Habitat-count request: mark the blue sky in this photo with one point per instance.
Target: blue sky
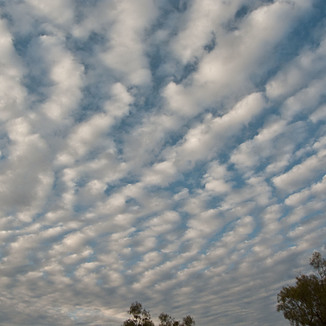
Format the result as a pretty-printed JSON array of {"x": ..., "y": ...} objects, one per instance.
[{"x": 166, "y": 151}]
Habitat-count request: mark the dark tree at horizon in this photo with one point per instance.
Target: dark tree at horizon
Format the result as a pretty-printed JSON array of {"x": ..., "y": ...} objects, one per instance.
[
  {"x": 141, "y": 317},
  {"x": 304, "y": 304}
]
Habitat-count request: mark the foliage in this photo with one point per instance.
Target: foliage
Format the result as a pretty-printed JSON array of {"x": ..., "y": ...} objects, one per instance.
[
  {"x": 142, "y": 317},
  {"x": 304, "y": 304},
  {"x": 166, "y": 320}
]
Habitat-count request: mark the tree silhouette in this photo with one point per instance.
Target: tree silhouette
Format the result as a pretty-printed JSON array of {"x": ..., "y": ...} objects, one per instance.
[
  {"x": 142, "y": 317},
  {"x": 304, "y": 304},
  {"x": 139, "y": 316}
]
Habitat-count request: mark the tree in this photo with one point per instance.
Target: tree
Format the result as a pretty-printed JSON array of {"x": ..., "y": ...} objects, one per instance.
[
  {"x": 166, "y": 320},
  {"x": 142, "y": 317},
  {"x": 304, "y": 304}
]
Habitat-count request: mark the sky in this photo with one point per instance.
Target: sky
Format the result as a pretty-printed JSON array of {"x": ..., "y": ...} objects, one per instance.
[{"x": 166, "y": 151}]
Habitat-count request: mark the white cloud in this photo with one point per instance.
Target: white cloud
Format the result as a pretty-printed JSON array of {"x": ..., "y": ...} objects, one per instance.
[
  {"x": 150, "y": 150},
  {"x": 301, "y": 196},
  {"x": 12, "y": 93},
  {"x": 26, "y": 168},
  {"x": 308, "y": 65},
  {"x": 87, "y": 135},
  {"x": 66, "y": 75},
  {"x": 203, "y": 20},
  {"x": 161, "y": 174},
  {"x": 319, "y": 114},
  {"x": 127, "y": 37},
  {"x": 58, "y": 12},
  {"x": 301, "y": 174},
  {"x": 216, "y": 179},
  {"x": 228, "y": 69},
  {"x": 200, "y": 142},
  {"x": 306, "y": 100},
  {"x": 145, "y": 143}
]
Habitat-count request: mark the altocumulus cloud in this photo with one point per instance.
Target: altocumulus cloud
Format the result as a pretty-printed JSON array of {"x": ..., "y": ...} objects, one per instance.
[{"x": 166, "y": 151}]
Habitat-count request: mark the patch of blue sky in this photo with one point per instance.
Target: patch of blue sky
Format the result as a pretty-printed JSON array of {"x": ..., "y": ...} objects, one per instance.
[
  {"x": 146, "y": 99},
  {"x": 179, "y": 5},
  {"x": 190, "y": 179},
  {"x": 214, "y": 201},
  {"x": 139, "y": 110},
  {"x": 5, "y": 143},
  {"x": 254, "y": 126},
  {"x": 175, "y": 136},
  {"x": 132, "y": 202},
  {"x": 82, "y": 8},
  {"x": 94, "y": 96},
  {"x": 6, "y": 15},
  {"x": 158, "y": 51},
  {"x": 120, "y": 131},
  {"x": 309, "y": 218},
  {"x": 213, "y": 240},
  {"x": 300, "y": 155},
  {"x": 186, "y": 71},
  {"x": 36, "y": 79},
  {"x": 160, "y": 75},
  {"x": 89, "y": 105},
  {"x": 320, "y": 129},
  {"x": 129, "y": 264},
  {"x": 210, "y": 46},
  {"x": 113, "y": 186},
  {"x": 304, "y": 114},
  {"x": 81, "y": 208},
  {"x": 21, "y": 44},
  {"x": 233, "y": 24},
  {"x": 85, "y": 49},
  {"x": 166, "y": 21},
  {"x": 305, "y": 34}
]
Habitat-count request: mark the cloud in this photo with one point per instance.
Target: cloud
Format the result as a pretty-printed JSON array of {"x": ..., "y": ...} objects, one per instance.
[
  {"x": 293, "y": 77},
  {"x": 202, "y": 22},
  {"x": 151, "y": 150},
  {"x": 200, "y": 141},
  {"x": 126, "y": 37},
  {"x": 301, "y": 174},
  {"x": 12, "y": 92}
]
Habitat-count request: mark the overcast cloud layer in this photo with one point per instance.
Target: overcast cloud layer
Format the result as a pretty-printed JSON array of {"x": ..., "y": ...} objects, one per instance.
[{"x": 167, "y": 151}]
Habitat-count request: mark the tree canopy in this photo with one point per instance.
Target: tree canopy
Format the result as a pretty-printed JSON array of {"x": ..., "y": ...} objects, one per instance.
[
  {"x": 141, "y": 317},
  {"x": 304, "y": 304}
]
